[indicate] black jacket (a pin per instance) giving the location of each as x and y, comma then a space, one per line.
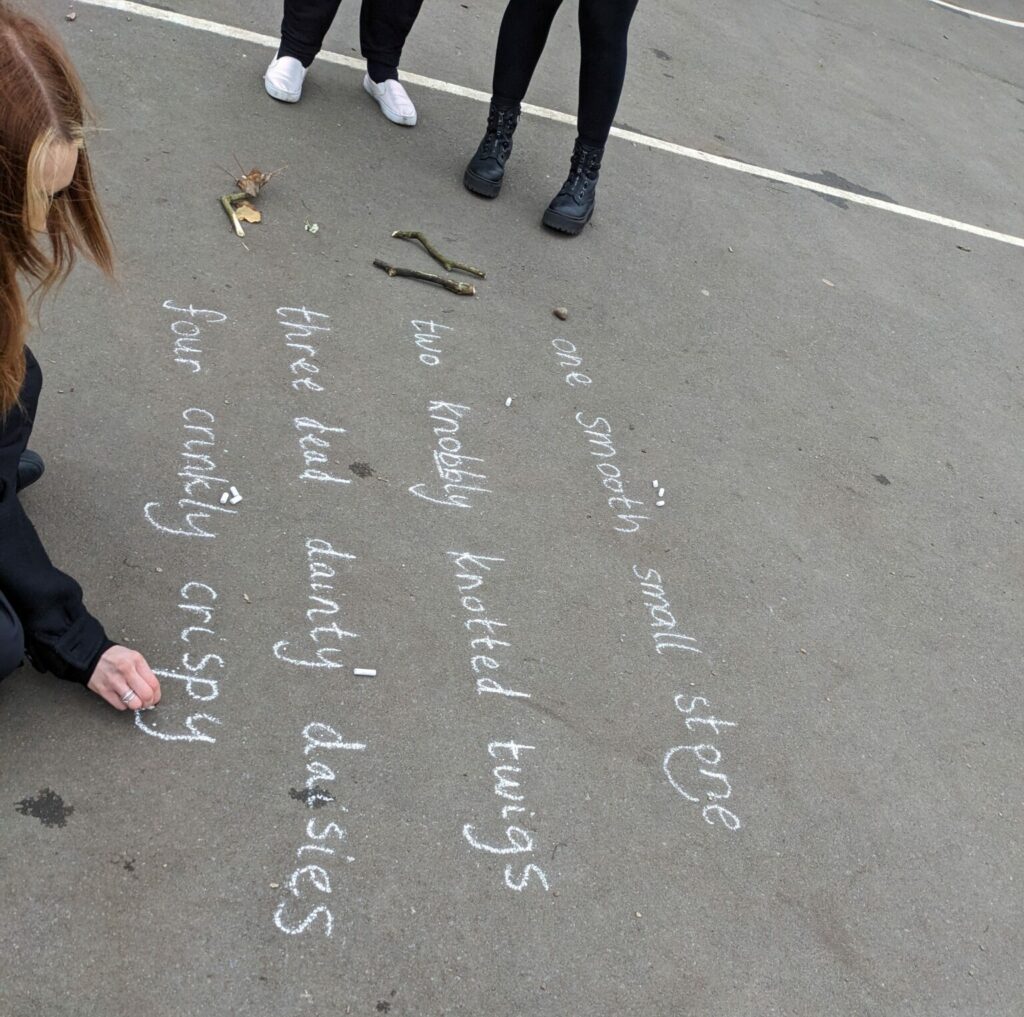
60, 635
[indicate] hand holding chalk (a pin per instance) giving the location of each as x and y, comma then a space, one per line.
124, 679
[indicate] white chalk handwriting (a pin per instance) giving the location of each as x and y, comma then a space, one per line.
568, 356
599, 437
469, 577
449, 461
308, 325
516, 839
323, 837
198, 470
196, 670
664, 627
312, 445
682, 760
427, 335
327, 640
188, 333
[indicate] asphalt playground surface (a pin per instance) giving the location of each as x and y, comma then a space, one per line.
817, 813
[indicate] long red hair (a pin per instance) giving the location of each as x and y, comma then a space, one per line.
42, 104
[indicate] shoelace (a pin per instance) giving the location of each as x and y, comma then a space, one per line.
500, 125
583, 169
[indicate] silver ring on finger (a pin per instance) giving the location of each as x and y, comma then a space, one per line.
128, 696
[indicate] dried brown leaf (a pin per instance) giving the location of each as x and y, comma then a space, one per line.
247, 213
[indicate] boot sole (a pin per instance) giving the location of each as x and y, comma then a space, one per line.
565, 224
485, 188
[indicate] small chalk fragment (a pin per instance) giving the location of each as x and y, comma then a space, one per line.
508, 401
561, 313
661, 492
235, 496
224, 498
659, 503
365, 672
654, 483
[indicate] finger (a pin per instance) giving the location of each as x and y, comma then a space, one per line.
145, 673
143, 697
130, 698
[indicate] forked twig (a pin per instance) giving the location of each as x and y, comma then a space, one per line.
463, 289
446, 263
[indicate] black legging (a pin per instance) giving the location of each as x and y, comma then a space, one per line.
383, 27
604, 25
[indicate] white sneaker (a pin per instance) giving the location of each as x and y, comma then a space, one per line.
393, 100
284, 78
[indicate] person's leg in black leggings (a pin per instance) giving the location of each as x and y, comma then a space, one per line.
604, 27
304, 27
521, 40
384, 26
12, 639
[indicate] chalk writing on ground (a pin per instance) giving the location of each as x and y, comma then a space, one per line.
692, 768
470, 573
188, 333
195, 516
427, 336
308, 325
199, 673
304, 907
569, 357
515, 839
325, 640
600, 439
449, 460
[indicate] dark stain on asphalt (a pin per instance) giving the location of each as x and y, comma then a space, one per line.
830, 179
312, 797
362, 469
661, 54
882, 479
383, 1006
48, 807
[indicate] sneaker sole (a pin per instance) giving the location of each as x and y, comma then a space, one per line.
280, 94
485, 188
563, 223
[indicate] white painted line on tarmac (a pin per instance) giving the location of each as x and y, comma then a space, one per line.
977, 14
271, 42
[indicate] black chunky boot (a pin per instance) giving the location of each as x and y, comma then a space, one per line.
571, 208
486, 169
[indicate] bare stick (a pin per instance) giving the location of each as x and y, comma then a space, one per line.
227, 203
446, 263
462, 288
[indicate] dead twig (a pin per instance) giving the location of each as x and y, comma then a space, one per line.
452, 285
228, 204
446, 263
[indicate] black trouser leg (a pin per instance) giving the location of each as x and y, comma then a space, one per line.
12, 639
524, 31
604, 28
304, 26
384, 26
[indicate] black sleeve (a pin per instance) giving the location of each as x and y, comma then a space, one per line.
60, 635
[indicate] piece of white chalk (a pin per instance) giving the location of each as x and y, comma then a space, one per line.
654, 483
659, 504
224, 498
508, 401
365, 672
661, 492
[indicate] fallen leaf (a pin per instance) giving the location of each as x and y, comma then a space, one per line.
247, 213
255, 180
